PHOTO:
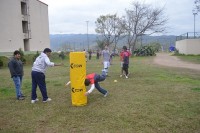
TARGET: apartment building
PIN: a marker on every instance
(24, 24)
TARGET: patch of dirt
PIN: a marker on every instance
(166, 59)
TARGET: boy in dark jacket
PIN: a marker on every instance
(16, 71)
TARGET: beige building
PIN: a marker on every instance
(24, 24)
(188, 46)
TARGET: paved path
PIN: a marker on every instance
(166, 59)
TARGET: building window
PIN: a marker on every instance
(24, 8)
(25, 26)
(26, 45)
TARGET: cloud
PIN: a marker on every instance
(70, 16)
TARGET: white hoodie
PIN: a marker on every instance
(41, 63)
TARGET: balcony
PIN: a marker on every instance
(27, 34)
(24, 17)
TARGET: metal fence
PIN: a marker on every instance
(188, 35)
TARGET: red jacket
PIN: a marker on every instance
(125, 54)
(91, 77)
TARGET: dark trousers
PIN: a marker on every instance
(99, 78)
(125, 68)
(38, 79)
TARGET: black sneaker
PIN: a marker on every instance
(23, 95)
(20, 98)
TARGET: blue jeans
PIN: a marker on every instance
(18, 83)
(99, 78)
(38, 79)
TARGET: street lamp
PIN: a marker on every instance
(87, 35)
(194, 13)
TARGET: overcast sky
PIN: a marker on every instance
(70, 16)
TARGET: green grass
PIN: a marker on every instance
(153, 99)
(190, 58)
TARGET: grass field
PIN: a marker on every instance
(191, 58)
(153, 100)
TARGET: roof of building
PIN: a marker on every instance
(42, 2)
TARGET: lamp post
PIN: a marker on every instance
(194, 13)
(87, 35)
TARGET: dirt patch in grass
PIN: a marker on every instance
(166, 59)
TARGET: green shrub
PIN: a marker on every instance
(176, 53)
(29, 59)
(54, 56)
(36, 55)
(62, 55)
(1, 63)
(22, 56)
(145, 51)
(4, 61)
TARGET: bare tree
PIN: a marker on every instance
(110, 27)
(197, 4)
(100, 44)
(143, 19)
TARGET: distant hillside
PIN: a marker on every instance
(79, 41)
(75, 41)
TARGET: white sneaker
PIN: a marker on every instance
(106, 94)
(48, 100)
(33, 101)
(120, 76)
(126, 77)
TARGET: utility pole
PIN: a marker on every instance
(194, 13)
(87, 35)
